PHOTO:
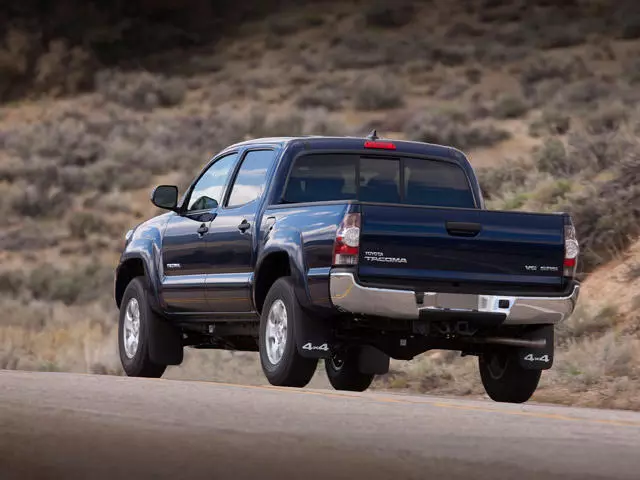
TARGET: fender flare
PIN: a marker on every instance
(144, 248)
(290, 242)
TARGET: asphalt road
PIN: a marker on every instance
(64, 426)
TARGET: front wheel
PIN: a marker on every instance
(281, 363)
(505, 380)
(343, 372)
(135, 333)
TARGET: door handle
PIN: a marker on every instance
(202, 230)
(463, 229)
(244, 225)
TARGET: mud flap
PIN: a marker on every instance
(314, 337)
(373, 361)
(538, 358)
(165, 342)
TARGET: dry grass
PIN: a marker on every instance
(545, 91)
(51, 336)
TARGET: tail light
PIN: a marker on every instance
(571, 251)
(347, 244)
(380, 145)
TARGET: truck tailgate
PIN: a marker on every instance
(457, 249)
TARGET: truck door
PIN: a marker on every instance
(184, 259)
(230, 241)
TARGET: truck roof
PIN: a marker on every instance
(357, 143)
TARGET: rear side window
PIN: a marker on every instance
(251, 178)
(412, 181)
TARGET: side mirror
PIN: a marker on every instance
(165, 196)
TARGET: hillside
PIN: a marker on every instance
(543, 95)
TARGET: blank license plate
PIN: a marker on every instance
(453, 301)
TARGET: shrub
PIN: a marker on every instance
(32, 201)
(63, 69)
(30, 63)
(509, 106)
(88, 149)
(630, 24)
(551, 157)
(453, 55)
(584, 92)
(560, 36)
(366, 48)
(503, 13)
(313, 19)
(450, 90)
(587, 362)
(473, 74)
(607, 213)
(377, 92)
(449, 128)
(389, 13)
(320, 122)
(545, 68)
(552, 121)
(80, 284)
(83, 224)
(607, 118)
(140, 90)
(11, 283)
(586, 321)
(281, 25)
(359, 49)
(632, 70)
(549, 193)
(593, 154)
(273, 42)
(465, 30)
(509, 175)
(323, 97)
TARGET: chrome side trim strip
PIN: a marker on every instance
(229, 278)
(183, 280)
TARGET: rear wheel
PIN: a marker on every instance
(279, 357)
(505, 380)
(343, 373)
(134, 333)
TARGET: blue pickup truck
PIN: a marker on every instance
(351, 250)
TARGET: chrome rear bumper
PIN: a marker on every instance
(349, 296)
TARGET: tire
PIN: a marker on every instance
(505, 380)
(135, 356)
(283, 366)
(342, 371)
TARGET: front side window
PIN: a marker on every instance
(207, 192)
(251, 178)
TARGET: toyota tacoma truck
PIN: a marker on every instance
(350, 250)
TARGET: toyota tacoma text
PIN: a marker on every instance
(350, 250)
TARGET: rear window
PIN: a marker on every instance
(411, 181)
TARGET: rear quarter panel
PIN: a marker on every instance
(306, 232)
